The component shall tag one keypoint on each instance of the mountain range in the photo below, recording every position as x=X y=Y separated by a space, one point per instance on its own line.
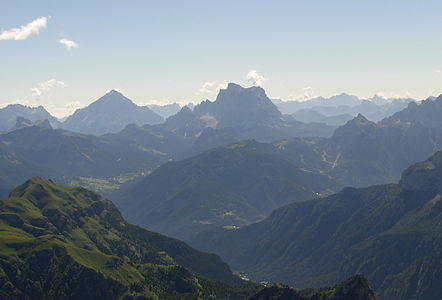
x=39 y=150
x=247 y=111
x=266 y=190
x=392 y=233
x=232 y=186
x=59 y=243
x=336 y=109
x=228 y=186
x=10 y=113
x=427 y=113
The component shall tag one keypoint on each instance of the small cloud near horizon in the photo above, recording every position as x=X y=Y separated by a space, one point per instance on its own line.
x=307 y=93
x=255 y=78
x=212 y=87
x=393 y=95
x=24 y=31
x=69 y=44
x=45 y=87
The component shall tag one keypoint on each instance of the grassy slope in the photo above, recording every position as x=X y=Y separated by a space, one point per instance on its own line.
x=58 y=242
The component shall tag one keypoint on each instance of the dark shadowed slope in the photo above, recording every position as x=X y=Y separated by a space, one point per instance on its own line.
x=238 y=185
x=228 y=186
x=391 y=233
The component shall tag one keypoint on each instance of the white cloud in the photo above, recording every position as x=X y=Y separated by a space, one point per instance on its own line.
x=62 y=111
x=212 y=87
x=69 y=44
x=393 y=95
x=46 y=86
x=255 y=78
x=71 y=107
x=163 y=101
x=24 y=31
x=307 y=93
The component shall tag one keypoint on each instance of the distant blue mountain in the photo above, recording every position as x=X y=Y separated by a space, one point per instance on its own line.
x=10 y=113
x=111 y=113
x=166 y=110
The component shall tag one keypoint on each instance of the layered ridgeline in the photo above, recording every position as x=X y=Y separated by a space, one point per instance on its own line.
x=35 y=149
x=10 y=113
x=70 y=243
x=427 y=113
x=242 y=183
x=336 y=110
x=363 y=153
x=60 y=243
x=227 y=186
x=110 y=114
x=247 y=111
x=392 y=233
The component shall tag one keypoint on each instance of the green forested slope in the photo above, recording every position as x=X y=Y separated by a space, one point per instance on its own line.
x=69 y=243
x=392 y=233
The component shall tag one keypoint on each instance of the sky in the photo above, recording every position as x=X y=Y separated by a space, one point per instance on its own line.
x=66 y=54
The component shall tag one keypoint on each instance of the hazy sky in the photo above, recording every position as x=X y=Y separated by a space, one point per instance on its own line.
x=65 y=54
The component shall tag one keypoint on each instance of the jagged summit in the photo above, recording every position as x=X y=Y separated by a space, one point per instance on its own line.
x=235 y=89
x=355 y=127
x=360 y=119
x=113 y=96
x=10 y=113
x=427 y=113
x=237 y=106
x=23 y=122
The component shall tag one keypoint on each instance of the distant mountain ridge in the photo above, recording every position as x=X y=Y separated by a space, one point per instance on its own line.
x=427 y=113
x=165 y=110
x=248 y=111
x=375 y=108
x=10 y=113
x=22 y=123
x=311 y=115
x=110 y=114
x=239 y=184
x=35 y=150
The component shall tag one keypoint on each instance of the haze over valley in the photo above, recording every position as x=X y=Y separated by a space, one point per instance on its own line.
x=231 y=150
